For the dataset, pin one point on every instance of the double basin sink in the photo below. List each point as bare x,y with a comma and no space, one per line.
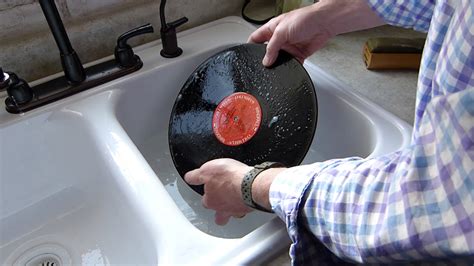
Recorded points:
90,179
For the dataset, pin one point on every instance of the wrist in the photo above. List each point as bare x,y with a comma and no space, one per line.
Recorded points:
261,186
247,185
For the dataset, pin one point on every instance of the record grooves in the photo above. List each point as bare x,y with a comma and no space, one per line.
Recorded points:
234,107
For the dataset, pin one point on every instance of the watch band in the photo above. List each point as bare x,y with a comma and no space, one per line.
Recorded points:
246,186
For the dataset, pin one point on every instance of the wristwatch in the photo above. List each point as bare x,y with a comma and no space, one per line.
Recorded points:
246,187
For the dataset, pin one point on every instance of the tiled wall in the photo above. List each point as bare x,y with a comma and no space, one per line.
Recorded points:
27,46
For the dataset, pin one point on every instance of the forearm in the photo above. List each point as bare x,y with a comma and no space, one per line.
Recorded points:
386,209
341,16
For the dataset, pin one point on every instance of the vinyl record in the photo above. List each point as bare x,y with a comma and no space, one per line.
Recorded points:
234,107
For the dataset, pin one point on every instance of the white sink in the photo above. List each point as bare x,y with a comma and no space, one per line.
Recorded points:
57,188
89,179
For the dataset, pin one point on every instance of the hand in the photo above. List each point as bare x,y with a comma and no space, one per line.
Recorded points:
222,179
298,32
304,31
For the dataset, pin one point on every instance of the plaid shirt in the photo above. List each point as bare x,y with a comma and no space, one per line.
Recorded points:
416,203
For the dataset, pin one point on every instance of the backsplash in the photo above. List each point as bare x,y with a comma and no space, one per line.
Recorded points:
28,48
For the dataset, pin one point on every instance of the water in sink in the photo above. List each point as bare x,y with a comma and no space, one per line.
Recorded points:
156,151
332,140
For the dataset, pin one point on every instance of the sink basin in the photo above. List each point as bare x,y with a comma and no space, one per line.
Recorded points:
72,208
89,179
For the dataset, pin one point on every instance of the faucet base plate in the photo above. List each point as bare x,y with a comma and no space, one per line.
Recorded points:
60,88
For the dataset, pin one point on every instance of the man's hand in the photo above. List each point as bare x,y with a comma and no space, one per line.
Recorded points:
304,31
296,32
221,179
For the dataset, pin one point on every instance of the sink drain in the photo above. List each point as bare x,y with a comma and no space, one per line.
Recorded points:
45,260
44,255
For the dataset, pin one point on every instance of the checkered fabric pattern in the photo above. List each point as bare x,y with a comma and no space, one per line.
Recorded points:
413,204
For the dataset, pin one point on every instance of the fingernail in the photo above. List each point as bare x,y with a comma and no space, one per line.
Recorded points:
266,61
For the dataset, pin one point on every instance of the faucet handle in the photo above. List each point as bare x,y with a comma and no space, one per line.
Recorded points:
177,23
19,92
124,54
169,39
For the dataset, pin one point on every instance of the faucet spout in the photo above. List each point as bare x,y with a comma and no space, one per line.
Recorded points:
72,67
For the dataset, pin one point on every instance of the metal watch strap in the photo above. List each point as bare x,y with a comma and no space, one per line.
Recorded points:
246,187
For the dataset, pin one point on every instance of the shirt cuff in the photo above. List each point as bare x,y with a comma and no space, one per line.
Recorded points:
287,190
286,194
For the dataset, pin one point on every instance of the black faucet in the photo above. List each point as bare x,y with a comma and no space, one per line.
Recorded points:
73,70
22,98
168,34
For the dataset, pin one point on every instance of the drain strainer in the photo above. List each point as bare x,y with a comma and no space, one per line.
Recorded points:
44,255
45,260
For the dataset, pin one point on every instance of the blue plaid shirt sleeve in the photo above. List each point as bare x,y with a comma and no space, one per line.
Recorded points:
414,14
416,203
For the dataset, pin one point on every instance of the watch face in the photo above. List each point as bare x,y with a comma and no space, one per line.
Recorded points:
232,106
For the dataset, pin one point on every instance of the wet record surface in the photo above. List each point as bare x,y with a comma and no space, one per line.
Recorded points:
234,107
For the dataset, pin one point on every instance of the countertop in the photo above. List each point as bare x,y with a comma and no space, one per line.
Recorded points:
395,91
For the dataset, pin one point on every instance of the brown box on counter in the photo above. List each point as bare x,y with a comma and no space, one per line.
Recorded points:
393,53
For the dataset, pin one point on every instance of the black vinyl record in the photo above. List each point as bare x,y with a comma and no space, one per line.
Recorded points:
234,107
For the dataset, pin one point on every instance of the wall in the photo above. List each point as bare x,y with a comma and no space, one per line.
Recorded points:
28,48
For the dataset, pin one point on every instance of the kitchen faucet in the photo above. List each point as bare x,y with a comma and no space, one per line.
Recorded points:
72,67
168,34
22,98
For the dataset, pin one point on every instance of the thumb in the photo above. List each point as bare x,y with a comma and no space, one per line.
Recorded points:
194,177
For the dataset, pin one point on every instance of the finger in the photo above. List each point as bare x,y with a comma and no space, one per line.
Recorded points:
194,177
221,218
261,35
278,39
239,216
264,33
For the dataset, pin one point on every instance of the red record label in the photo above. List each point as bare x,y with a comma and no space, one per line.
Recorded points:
236,119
